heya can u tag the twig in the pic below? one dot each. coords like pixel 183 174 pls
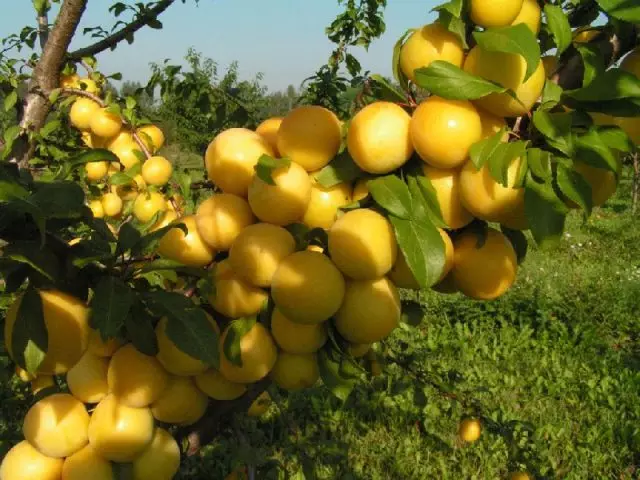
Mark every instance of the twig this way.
pixel 84 93
pixel 113 40
pixel 86 66
pixel 209 426
pixel 141 144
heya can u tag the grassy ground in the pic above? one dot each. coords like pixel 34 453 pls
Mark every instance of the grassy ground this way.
pixel 552 368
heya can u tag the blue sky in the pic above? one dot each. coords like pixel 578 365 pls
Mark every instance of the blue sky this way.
pixel 283 39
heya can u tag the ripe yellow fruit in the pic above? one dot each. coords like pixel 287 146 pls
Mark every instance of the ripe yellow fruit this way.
pixel 258 251
pixel 310 135
pixel 147 205
pixel 378 139
pixel 69 81
pixel 258 353
pixel 23 375
pixel 120 433
pixel 129 191
pixel 360 190
pixel 362 244
pixel 168 217
pixel 102 348
pixel 486 272
pixel 135 379
pixel 529 15
pixel 181 403
pixel 114 167
pixel 307 287
pixel 111 204
pixel 520 476
pixel 297 338
pixel 67 322
pixel 402 276
pixel 358 350
pixel 286 201
pixel 494 13
pixel 446 183
pixel 221 218
pixel 105 124
pixel 96 208
pixel 324 204
pixel 585 36
pixel 86 464
pixel 443 130
pixel 268 129
pixel 81 113
pixel 491 125
pixel 24 462
pixel 173 359
pixel 152 137
pixel 88 85
pixel 430 43
pixel 189 249
pixel 469 429
pixel 508 70
pixel 157 171
pixel 125 151
pixel 233 297
pixel 160 460
pixel 57 425
pixel 631 62
pixel 295 371
pixel 370 310
pixel 213 383
pixel 603 182
pixel 96 171
pixel 260 405
pixel 124 137
pixel 41 382
pixel 631 126
pixel 231 157
pixel 488 199
pixel 87 379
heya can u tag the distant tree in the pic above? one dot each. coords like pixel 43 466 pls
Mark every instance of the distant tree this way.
pixel 279 103
pixel 137 90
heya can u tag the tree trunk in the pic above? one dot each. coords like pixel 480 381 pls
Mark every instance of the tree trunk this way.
pixel 45 77
pixel 636 182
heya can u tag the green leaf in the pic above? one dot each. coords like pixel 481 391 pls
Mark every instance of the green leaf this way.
pixel 626 10
pixel 454 7
pixel 551 95
pixel 592 150
pixel 166 264
pixel 519 242
pixel 267 164
pixel 615 138
pixel 110 305
pixel 235 331
pixel 423 248
pixel 10 100
pixel 121 178
pixel 502 158
pixel 392 194
pixel 149 241
pixel 140 331
pixel 454 24
pixel 342 169
pixel 155 24
pixel 412 313
pixel 539 161
pixel 10 187
pixel 340 381
pixel 187 325
pixel 60 199
pixel 593 62
pixel 559 26
pixel 484 149
pixel 516 39
pixel 29 338
pixel 128 236
pixel 575 187
pixel 613 84
pixel 10 135
pixel 425 200
pixel 43 260
pixel 87 156
pixel 545 212
pixel 398 74
pixel 448 81
pixel 386 91
pixel 28 207
pixel 556 127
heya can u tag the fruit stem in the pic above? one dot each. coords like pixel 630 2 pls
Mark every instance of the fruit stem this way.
pixel 84 93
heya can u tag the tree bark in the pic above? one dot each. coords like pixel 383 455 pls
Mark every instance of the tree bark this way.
pixel 636 182
pixel 45 77
pixel 120 35
pixel 43 29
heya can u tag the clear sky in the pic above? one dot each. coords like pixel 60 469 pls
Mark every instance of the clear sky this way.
pixel 282 39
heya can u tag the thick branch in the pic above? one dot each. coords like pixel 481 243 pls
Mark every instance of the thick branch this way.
pixel 43 29
pixel 46 76
pixel 120 35
pixel 209 426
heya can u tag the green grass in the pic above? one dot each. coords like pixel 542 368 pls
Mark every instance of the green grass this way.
pixel 552 368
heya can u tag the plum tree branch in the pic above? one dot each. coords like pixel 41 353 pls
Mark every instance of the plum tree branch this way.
pixel 113 40
pixel 45 78
pixel 209 426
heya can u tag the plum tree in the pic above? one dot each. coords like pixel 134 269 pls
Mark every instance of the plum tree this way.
pixel 170 297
